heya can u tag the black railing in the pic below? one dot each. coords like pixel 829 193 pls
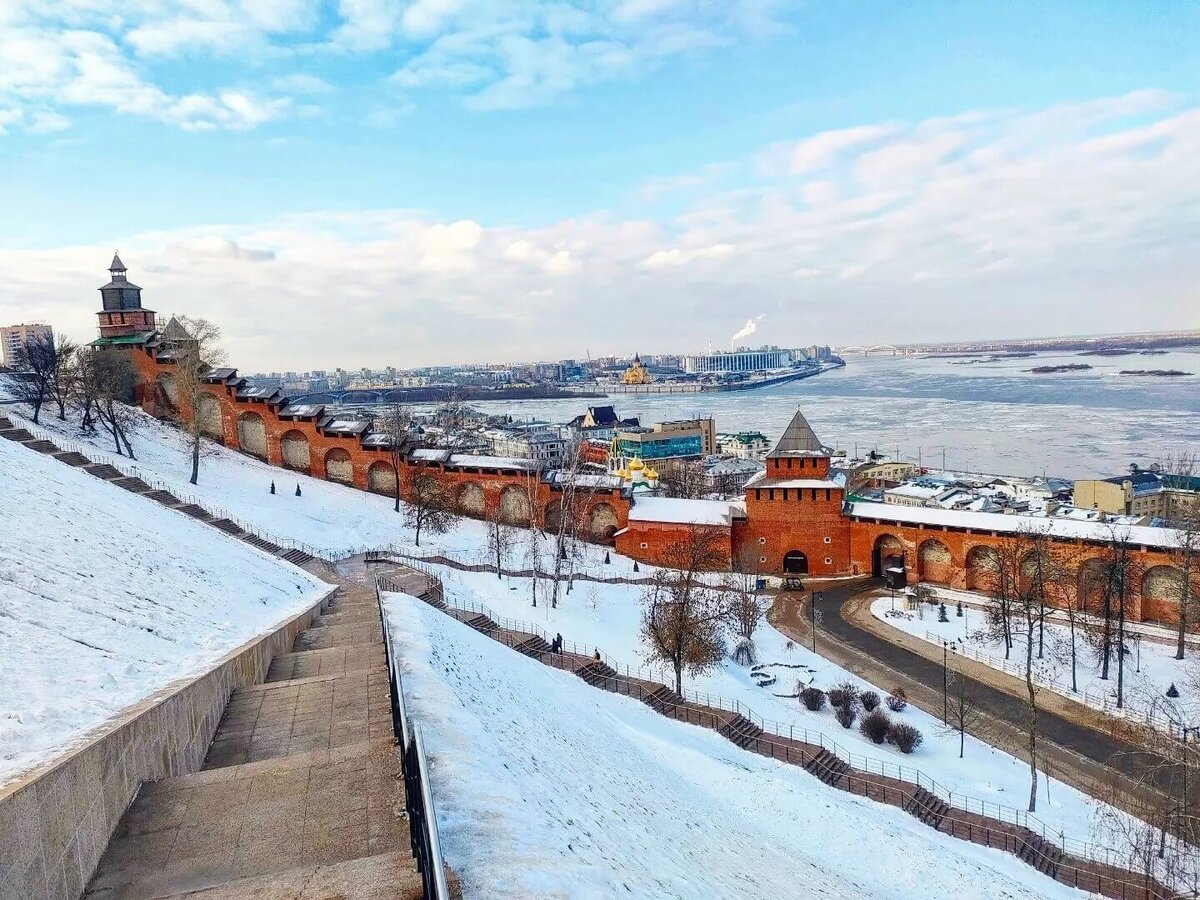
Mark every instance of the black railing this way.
pixel 418 798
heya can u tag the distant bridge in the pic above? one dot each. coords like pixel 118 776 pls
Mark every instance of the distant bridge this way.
pixel 382 395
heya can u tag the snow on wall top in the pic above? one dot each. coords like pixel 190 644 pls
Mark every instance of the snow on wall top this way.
pixel 107 597
pixel 686 512
pixel 1166 538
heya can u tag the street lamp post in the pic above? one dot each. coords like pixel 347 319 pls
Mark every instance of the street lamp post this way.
pixel 812 609
pixel 1137 642
pixel 945 683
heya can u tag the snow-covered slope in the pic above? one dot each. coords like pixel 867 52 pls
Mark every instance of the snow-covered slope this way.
pixel 106 597
pixel 546 787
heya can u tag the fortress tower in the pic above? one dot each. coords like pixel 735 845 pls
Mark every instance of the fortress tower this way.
pixel 122 318
pixel 794 522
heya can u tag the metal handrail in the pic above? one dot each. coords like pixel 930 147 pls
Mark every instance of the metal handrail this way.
pixel 418 796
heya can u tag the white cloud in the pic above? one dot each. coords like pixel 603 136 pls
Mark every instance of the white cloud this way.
pixel 822 150
pixel 561 263
pixel 676 256
pixel 1030 230
pixel 450 248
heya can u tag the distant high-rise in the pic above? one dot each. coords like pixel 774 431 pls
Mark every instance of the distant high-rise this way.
pixel 13 339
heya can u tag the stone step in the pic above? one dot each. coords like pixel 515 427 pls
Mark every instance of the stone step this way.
pixel 1041 854
pixel 261 543
pixel 166 498
pixel 132 484
pixel 196 512
pixel 827 767
pixel 386 876
pixel 5 423
pixel 20 435
pixel 263 820
pixel 927 806
pixel 533 646
pixel 227 526
pixel 740 730
pixel 322 637
pixel 43 446
pixel 103 470
pixel 279 718
pixel 296 557
pixel 331 661
pixel 72 458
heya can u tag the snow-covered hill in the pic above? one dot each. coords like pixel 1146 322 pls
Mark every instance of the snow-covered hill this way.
pixel 107 597
pixel 546 787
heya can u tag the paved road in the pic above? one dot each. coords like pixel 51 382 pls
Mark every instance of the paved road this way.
pixel 1104 749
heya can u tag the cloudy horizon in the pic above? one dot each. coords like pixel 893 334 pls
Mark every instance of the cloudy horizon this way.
pixel 443 181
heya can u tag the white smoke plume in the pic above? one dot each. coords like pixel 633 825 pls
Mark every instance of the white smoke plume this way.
pixel 748 329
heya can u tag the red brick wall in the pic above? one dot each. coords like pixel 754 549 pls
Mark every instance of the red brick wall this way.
pixel 813 525
pixel 659 536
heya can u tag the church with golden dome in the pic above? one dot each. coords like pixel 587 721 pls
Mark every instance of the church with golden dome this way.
pixel 637 373
pixel 638 477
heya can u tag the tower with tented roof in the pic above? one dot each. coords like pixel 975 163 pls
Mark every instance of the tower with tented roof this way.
pixel 123 319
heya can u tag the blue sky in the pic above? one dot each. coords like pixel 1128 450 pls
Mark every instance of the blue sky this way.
pixel 529 179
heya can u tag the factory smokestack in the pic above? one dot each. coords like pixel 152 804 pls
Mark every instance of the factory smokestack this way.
pixel 748 329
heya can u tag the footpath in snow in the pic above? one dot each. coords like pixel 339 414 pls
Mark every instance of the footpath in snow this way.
pixel 546 787
pixel 107 597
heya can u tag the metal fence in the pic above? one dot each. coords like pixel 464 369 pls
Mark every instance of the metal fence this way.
pixel 1132 709
pixel 418 798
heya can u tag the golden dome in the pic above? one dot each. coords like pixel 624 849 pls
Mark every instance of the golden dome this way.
pixel 651 474
pixel 636 465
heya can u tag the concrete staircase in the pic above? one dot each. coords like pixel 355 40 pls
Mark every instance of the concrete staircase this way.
pixel 740 730
pixel 1041 854
pixel 827 767
pixel 300 795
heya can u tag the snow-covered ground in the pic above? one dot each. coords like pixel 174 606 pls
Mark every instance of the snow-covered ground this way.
pixel 546 787
pixel 1150 666
pixel 339 519
pixel 607 617
pixel 107 597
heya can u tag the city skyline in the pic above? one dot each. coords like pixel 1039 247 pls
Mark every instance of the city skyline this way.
pixel 449 179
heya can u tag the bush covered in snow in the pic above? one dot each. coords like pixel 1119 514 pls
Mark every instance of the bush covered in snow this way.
pixel 876 725
pixel 846 715
pixel 896 703
pixel 905 737
pixel 844 694
pixel 813 699
pixel 869 700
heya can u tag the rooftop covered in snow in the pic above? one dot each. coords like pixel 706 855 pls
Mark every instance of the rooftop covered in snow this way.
pixel 682 512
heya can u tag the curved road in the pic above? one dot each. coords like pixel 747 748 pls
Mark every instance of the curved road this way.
pixel 1113 753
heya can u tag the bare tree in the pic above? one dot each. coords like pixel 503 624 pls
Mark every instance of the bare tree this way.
pixel 195 356
pixel 683 617
pixel 682 479
pixel 47 369
pixel 566 529
pixel 1023 570
pixel 396 424
pixel 102 387
pixel 1064 586
pixel 744 608
pixel 962 714
pixel 430 506
pixel 1159 824
pixel 1120 572
pixel 501 539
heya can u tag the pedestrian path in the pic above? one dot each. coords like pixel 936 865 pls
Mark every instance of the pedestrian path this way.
pixel 300 795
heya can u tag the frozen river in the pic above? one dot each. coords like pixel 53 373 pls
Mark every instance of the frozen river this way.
pixel 985 416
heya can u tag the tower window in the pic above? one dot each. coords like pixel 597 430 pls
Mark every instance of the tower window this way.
pixel 762 540
pixel 828 540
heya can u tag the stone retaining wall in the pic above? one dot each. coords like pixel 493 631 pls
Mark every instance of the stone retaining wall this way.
pixel 56 821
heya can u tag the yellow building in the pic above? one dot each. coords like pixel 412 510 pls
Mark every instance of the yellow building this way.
pixel 636 373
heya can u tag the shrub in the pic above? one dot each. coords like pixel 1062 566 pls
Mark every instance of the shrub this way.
pixel 869 700
pixel 1172 691
pixel 895 704
pixel 906 737
pixel 844 694
pixel 813 699
pixel 875 725
pixel 846 715
pixel 942 617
